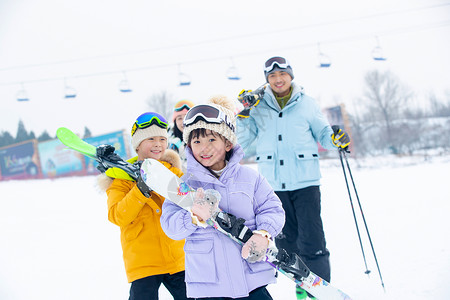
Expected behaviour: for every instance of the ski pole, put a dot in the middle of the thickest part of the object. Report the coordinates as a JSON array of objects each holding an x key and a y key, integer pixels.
[
  {"x": 362, "y": 213},
  {"x": 353, "y": 209}
]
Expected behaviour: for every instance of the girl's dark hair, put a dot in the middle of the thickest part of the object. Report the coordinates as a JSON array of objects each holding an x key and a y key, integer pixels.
[
  {"x": 202, "y": 132},
  {"x": 177, "y": 132}
]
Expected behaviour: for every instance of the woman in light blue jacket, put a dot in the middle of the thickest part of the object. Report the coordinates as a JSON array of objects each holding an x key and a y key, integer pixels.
[
  {"x": 215, "y": 264},
  {"x": 286, "y": 126}
]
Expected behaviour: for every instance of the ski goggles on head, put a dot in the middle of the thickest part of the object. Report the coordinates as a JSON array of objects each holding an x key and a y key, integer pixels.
[
  {"x": 148, "y": 119},
  {"x": 207, "y": 113},
  {"x": 182, "y": 105},
  {"x": 280, "y": 61}
]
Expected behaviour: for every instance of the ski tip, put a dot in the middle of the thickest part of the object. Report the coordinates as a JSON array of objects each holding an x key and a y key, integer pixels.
[{"x": 61, "y": 130}]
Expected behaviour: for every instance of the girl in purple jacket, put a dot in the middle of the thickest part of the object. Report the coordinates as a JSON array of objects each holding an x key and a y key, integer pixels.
[{"x": 216, "y": 266}]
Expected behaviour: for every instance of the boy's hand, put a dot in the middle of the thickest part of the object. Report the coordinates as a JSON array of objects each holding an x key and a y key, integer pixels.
[{"x": 145, "y": 190}]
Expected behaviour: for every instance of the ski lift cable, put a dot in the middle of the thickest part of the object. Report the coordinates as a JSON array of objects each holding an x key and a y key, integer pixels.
[
  {"x": 242, "y": 36},
  {"x": 244, "y": 54}
]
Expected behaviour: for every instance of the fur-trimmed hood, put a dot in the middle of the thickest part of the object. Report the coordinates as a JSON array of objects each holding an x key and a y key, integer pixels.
[{"x": 170, "y": 156}]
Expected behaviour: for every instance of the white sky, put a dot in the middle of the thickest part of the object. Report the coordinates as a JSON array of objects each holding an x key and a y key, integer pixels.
[{"x": 43, "y": 42}]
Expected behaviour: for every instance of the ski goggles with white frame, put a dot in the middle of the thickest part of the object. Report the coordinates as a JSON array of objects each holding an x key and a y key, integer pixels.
[
  {"x": 279, "y": 61},
  {"x": 207, "y": 113},
  {"x": 148, "y": 119}
]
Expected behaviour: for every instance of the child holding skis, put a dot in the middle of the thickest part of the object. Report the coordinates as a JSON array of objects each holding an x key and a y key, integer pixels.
[
  {"x": 216, "y": 266},
  {"x": 150, "y": 257}
]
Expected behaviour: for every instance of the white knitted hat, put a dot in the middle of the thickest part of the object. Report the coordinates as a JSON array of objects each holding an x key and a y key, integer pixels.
[
  {"x": 225, "y": 105},
  {"x": 148, "y": 132}
]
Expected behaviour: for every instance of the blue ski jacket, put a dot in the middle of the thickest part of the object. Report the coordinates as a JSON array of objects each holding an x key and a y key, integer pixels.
[
  {"x": 214, "y": 266},
  {"x": 286, "y": 139}
]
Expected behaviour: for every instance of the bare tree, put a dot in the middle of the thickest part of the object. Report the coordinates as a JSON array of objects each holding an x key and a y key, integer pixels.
[
  {"x": 439, "y": 108},
  {"x": 385, "y": 100},
  {"x": 162, "y": 103}
]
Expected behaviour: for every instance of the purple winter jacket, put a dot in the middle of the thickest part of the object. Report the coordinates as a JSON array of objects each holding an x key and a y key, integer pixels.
[{"x": 214, "y": 266}]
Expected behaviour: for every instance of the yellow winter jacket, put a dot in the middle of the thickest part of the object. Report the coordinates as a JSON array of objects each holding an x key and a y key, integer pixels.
[{"x": 146, "y": 248}]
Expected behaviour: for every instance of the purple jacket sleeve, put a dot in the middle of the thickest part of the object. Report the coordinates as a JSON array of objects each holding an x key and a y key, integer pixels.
[
  {"x": 176, "y": 222},
  {"x": 270, "y": 215}
]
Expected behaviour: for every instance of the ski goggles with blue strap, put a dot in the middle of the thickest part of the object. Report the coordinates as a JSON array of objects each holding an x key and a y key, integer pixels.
[
  {"x": 280, "y": 61},
  {"x": 207, "y": 113},
  {"x": 182, "y": 105},
  {"x": 148, "y": 119}
]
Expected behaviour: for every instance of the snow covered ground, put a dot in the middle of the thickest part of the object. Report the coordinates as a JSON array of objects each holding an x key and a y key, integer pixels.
[{"x": 56, "y": 241}]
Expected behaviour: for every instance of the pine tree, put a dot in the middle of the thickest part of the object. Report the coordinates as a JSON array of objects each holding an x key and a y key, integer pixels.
[
  {"x": 87, "y": 133},
  {"x": 6, "y": 139},
  {"x": 22, "y": 134},
  {"x": 44, "y": 137}
]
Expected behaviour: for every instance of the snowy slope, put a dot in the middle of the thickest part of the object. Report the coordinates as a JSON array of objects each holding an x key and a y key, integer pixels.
[{"x": 58, "y": 244}]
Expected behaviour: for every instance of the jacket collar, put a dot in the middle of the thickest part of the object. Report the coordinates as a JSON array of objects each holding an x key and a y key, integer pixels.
[{"x": 271, "y": 101}]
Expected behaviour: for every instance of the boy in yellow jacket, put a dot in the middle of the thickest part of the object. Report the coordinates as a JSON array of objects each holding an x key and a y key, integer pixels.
[{"x": 150, "y": 257}]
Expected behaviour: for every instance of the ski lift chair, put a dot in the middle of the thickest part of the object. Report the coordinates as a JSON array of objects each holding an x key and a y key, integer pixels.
[
  {"x": 232, "y": 73},
  {"x": 124, "y": 85},
  {"x": 377, "y": 52},
  {"x": 22, "y": 95},
  {"x": 184, "y": 79},
  {"x": 70, "y": 92},
  {"x": 324, "y": 60}
]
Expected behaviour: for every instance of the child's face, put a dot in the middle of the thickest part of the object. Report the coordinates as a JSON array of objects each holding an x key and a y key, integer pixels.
[
  {"x": 210, "y": 150},
  {"x": 153, "y": 147},
  {"x": 179, "y": 121}
]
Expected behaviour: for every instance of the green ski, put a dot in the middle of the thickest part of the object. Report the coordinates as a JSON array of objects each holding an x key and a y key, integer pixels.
[
  {"x": 71, "y": 140},
  {"x": 103, "y": 154}
]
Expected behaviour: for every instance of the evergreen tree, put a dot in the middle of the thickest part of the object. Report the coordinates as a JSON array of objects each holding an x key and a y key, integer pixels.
[
  {"x": 22, "y": 134},
  {"x": 44, "y": 137},
  {"x": 6, "y": 139},
  {"x": 87, "y": 133}
]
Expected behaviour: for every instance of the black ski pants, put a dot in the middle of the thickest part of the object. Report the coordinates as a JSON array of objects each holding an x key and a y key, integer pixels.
[
  {"x": 147, "y": 288},
  {"x": 303, "y": 231}
]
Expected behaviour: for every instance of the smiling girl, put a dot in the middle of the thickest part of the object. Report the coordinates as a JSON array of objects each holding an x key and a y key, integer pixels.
[{"x": 216, "y": 266}]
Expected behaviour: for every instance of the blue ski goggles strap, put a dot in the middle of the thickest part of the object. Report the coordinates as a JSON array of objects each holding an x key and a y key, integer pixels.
[
  {"x": 184, "y": 106},
  {"x": 207, "y": 113},
  {"x": 280, "y": 61},
  {"x": 147, "y": 119}
]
